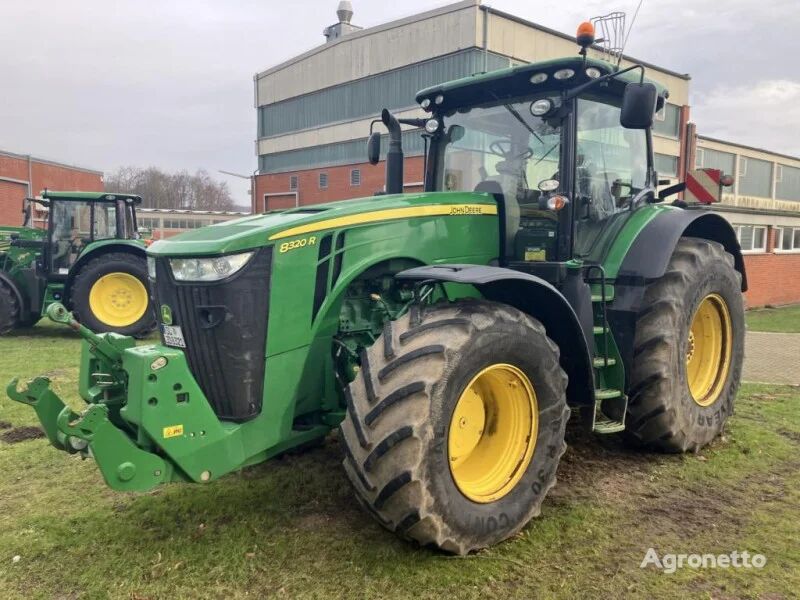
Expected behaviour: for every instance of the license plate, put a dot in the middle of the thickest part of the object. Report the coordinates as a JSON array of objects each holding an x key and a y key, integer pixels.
[{"x": 173, "y": 336}]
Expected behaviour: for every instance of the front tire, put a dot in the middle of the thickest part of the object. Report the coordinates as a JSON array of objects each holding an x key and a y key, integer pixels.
[
  {"x": 688, "y": 350},
  {"x": 9, "y": 310},
  {"x": 110, "y": 293},
  {"x": 455, "y": 424}
]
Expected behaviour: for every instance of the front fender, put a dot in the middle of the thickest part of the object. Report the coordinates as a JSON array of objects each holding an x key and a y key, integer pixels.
[{"x": 539, "y": 299}]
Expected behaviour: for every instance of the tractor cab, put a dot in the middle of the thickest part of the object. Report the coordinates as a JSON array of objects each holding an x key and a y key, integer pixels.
[
  {"x": 91, "y": 257},
  {"x": 78, "y": 219},
  {"x": 547, "y": 141}
]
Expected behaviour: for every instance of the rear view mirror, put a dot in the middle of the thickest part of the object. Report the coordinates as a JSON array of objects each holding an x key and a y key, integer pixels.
[
  {"x": 638, "y": 105},
  {"x": 374, "y": 148}
]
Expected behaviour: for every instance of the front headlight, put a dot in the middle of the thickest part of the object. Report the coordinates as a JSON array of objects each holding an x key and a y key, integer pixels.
[
  {"x": 151, "y": 268},
  {"x": 208, "y": 269}
]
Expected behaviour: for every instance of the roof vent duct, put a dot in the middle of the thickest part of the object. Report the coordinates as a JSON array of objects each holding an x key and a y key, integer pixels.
[{"x": 343, "y": 27}]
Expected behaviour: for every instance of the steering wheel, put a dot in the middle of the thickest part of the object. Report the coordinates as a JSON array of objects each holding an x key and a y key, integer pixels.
[{"x": 503, "y": 149}]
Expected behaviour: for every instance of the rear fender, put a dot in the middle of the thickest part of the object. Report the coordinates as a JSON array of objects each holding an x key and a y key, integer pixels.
[{"x": 539, "y": 299}]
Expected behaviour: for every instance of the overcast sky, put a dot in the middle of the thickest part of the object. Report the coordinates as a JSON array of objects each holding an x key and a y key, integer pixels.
[{"x": 169, "y": 83}]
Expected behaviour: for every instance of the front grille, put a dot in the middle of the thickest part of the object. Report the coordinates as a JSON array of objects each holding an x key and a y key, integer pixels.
[{"x": 224, "y": 325}]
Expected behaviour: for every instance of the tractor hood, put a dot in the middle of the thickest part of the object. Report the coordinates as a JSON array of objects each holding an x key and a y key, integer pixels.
[{"x": 259, "y": 230}]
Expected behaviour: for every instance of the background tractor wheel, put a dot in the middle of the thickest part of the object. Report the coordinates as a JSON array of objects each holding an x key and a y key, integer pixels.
[
  {"x": 9, "y": 310},
  {"x": 688, "y": 350},
  {"x": 110, "y": 294},
  {"x": 455, "y": 424}
]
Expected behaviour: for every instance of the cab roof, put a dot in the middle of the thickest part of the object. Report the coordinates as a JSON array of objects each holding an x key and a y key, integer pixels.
[
  {"x": 516, "y": 81},
  {"x": 91, "y": 196}
]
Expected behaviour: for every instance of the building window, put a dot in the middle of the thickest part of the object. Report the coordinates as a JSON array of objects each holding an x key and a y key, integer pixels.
[
  {"x": 755, "y": 177},
  {"x": 788, "y": 239},
  {"x": 292, "y": 183},
  {"x": 666, "y": 164},
  {"x": 355, "y": 177},
  {"x": 752, "y": 238},
  {"x": 714, "y": 159},
  {"x": 787, "y": 183},
  {"x": 323, "y": 181},
  {"x": 668, "y": 121}
]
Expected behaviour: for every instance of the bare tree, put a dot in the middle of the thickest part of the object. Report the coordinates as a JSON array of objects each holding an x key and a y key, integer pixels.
[{"x": 159, "y": 189}]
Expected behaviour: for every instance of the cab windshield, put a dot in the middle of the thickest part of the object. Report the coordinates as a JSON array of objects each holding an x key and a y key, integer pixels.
[{"x": 502, "y": 148}]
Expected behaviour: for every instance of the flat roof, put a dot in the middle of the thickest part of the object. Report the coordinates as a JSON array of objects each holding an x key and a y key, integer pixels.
[
  {"x": 48, "y": 161},
  {"x": 746, "y": 147}
]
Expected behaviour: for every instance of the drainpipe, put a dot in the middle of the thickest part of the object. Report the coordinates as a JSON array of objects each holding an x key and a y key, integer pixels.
[{"x": 30, "y": 177}]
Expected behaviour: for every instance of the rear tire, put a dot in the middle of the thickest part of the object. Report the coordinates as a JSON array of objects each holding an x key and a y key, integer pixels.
[
  {"x": 688, "y": 350},
  {"x": 123, "y": 312},
  {"x": 400, "y": 435},
  {"x": 9, "y": 309}
]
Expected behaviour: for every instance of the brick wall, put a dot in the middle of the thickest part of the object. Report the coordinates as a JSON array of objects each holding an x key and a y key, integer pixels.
[
  {"x": 308, "y": 191},
  {"x": 43, "y": 175},
  {"x": 773, "y": 278}
]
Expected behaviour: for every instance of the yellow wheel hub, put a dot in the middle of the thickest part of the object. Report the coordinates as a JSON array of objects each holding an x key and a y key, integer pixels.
[
  {"x": 493, "y": 433},
  {"x": 708, "y": 353},
  {"x": 118, "y": 299}
]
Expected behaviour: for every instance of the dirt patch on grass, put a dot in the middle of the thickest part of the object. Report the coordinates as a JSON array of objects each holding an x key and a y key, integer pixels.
[
  {"x": 603, "y": 468},
  {"x": 5, "y": 425},
  {"x": 21, "y": 434}
]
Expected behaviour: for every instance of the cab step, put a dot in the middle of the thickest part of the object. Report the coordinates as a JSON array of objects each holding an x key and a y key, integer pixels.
[
  {"x": 606, "y": 393},
  {"x": 597, "y": 293},
  {"x": 599, "y": 362},
  {"x": 608, "y": 426}
]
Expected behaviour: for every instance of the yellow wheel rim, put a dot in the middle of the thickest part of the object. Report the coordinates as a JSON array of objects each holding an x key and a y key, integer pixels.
[
  {"x": 493, "y": 433},
  {"x": 708, "y": 353},
  {"x": 118, "y": 299}
]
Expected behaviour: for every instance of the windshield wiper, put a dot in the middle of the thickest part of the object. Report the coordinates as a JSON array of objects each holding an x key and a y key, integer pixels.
[
  {"x": 546, "y": 154},
  {"x": 519, "y": 118}
]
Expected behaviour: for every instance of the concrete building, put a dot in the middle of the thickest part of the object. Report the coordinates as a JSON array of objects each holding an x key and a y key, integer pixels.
[
  {"x": 22, "y": 175},
  {"x": 314, "y": 114}
]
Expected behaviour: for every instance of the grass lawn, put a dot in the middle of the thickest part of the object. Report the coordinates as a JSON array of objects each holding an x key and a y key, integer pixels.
[
  {"x": 782, "y": 320},
  {"x": 291, "y": 527}
]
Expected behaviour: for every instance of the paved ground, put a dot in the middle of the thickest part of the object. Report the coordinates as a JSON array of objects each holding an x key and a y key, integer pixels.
[{"x": 772, "y": 357}]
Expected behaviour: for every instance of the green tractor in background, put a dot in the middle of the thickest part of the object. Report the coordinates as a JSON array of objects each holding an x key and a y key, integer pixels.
[
  {"x": 448, "y": 334},
  {"x": 90, "y": 258}
]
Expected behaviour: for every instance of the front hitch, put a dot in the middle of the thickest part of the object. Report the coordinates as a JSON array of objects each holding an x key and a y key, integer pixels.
[{"x": 124, "y": 465}]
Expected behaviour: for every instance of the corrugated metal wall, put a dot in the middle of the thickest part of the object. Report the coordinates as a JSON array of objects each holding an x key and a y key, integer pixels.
[
  {"x": 365, "y": 97},
  {"x": 342, "y": 153}
]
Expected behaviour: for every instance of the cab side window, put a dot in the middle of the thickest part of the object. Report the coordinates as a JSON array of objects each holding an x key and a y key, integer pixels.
[{"x": 611, "y": 161}]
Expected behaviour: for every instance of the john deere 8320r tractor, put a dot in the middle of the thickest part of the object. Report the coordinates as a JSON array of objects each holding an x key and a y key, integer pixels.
[
  {"x": 448, "y": 334},
  {"x": 90, "y": 258}
]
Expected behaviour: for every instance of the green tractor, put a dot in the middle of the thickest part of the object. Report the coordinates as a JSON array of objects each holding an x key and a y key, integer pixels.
[
  {"x": 90, "y": 258},
  {"x": 448, "y": 335}
]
